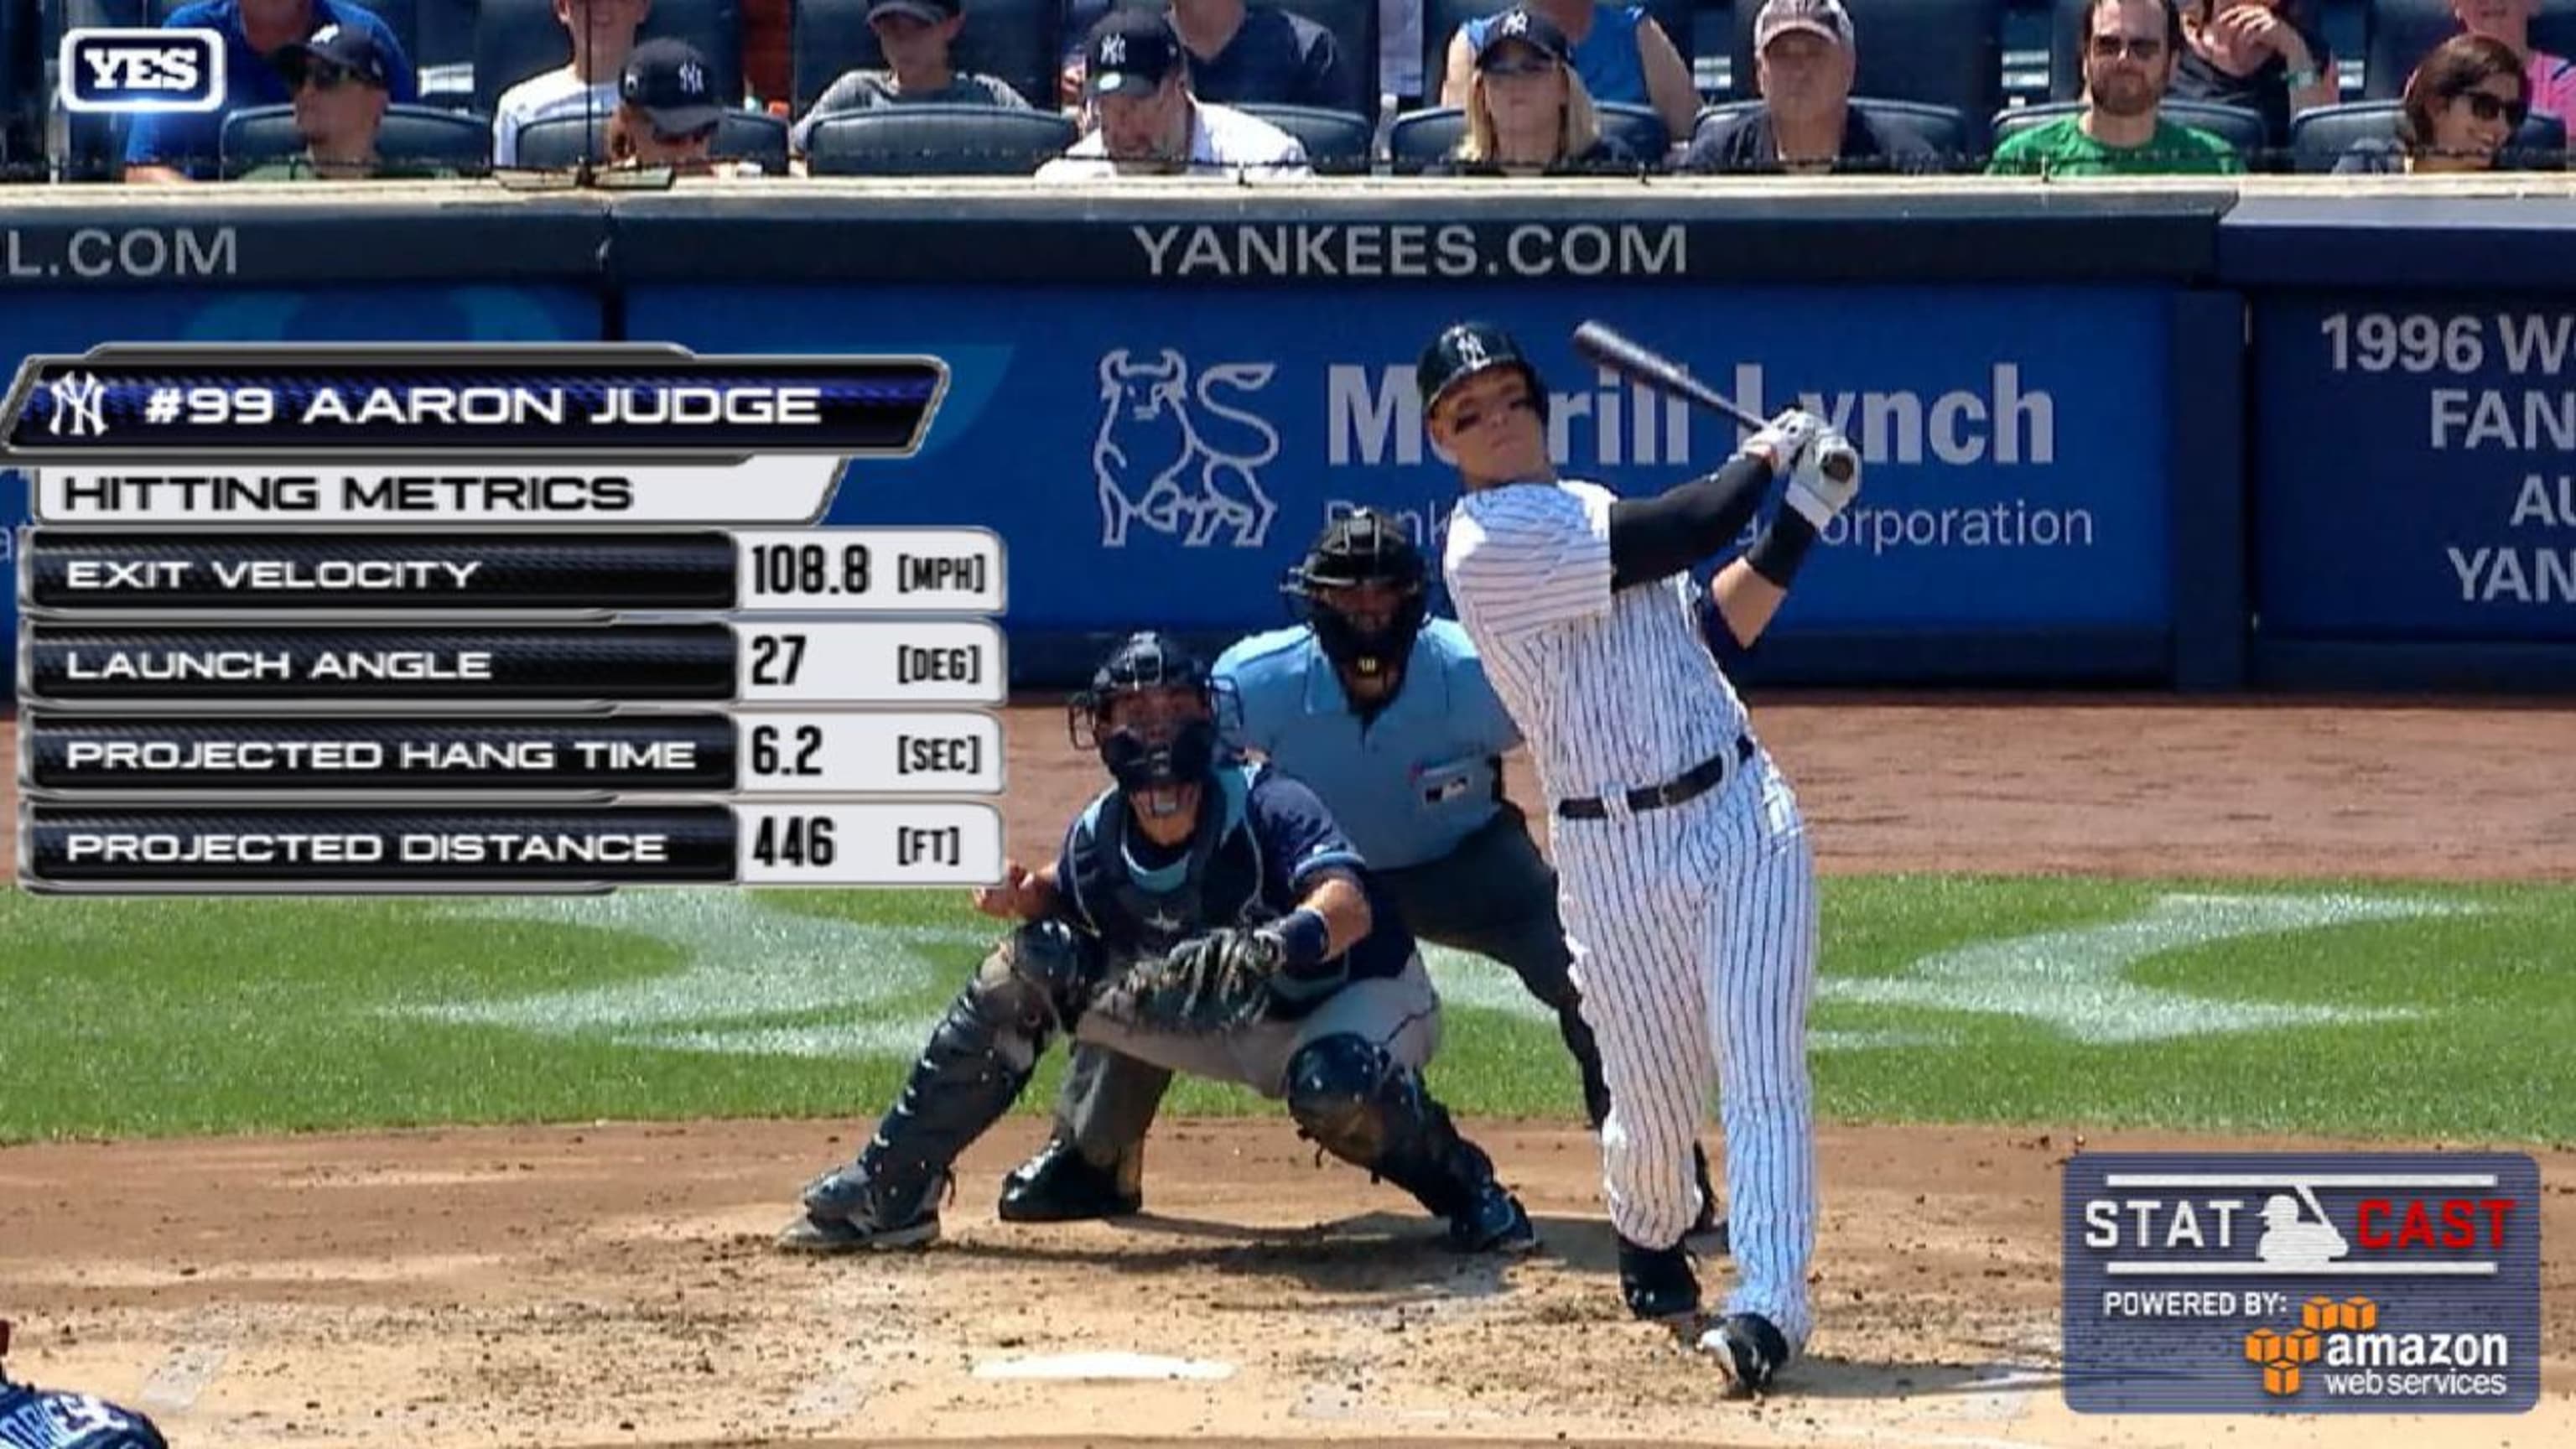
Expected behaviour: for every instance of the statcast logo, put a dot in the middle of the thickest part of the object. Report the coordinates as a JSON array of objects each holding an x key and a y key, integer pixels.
[
  {"x": 112, "y": 69},
  {"x": 1173, "y": 456}
]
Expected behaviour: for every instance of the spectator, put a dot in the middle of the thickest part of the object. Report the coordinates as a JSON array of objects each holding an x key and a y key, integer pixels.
[
  {"x": 917, "y": 36},
  {"x": 603, "y": 36},
  {"x": 2265, "y": 55},
  {"x": 188, "y": 146},
  {"x": 1804, "y": 56},
  {"x": 1619, "y": 51},
  {"x": 668, "y": 113},
  {"x": 2129, "y": 58},
  {"x": 2553, "y": 77},
  {"x": 1527, "y": 111},
  {"x": 2462, "y": 105},
  {"x": 1146, "y": 122},
  {"x": 1268, "y": 57},
  {"x": 339, "y": 75}
]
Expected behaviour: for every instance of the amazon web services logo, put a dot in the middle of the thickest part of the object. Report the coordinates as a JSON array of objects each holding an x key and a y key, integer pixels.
[{"x": 2207, "y": 1283}]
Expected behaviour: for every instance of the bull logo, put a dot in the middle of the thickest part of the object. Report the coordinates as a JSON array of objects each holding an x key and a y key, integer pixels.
[{"x": 1154, "y": 466}]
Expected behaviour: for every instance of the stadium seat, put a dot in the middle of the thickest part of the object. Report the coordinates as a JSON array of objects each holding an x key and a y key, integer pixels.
[
  {"x": 1944, "y": 52},
  {"x": 565, "y": 140},
  {"x": 515, "y": 39},
  {"x": 2403, "y": 32},
  {"x": 937, "y": 141},
  {"x": 1020, "y": 41},
  {"x": 1441, "y": 19},
  {"x": 422, "y": 135},
  {"x": 2236, "y": 125},
  {"x": 1942, "y": 127},
  {"x": 1337, "y": 142},
  {"x": 2319, "y": 137},
  {"x": 1419, "y": 138}
]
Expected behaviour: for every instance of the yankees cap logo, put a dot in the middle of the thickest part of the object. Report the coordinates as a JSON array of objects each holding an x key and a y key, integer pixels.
[
  {"x": 1471, "y": 350},
  {"x": 693, "y": 79},
  {"x": 1113, "y": 50},
  {"x": 1516, "y": 23}
]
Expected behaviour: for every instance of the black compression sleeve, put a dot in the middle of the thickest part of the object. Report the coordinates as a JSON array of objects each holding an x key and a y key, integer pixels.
[{"x": 1653, "y": 537}]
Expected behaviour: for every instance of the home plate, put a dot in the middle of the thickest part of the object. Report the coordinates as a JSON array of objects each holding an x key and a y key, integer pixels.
[{"x": 1103, "y": 1366}]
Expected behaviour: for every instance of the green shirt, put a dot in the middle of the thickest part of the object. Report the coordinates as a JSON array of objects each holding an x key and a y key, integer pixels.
[
  {"x": 300, "y": 168},
  {"x": 2061, "y": 148}
]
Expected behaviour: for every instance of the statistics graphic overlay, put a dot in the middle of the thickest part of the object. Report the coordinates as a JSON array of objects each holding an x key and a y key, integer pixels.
[
  {"x": 400, "y": 620},
  {"x": 2374, "y": 1283}
]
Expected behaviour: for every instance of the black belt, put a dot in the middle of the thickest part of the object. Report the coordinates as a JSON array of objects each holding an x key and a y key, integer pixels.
[{"x": 1690, "y": 783}]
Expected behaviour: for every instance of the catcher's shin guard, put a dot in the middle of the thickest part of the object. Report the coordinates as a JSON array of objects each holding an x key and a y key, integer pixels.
[{"x": 1359, "y": 1105}]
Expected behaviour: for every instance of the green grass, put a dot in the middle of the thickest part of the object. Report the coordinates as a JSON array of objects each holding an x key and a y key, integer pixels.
[{"x": 128, "y": 1018}]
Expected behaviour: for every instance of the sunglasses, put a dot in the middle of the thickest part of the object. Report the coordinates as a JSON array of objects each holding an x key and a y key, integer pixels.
[
  {"x": 2137, "y": 47},
  {"x": 324, "y": 76},
  {"x": 2487, "y": 108}
]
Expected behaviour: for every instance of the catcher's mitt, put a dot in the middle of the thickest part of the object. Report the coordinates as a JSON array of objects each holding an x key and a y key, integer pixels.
[{"x": 1206, "y": 985}]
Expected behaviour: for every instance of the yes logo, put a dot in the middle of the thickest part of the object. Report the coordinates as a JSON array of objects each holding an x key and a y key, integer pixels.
[{"x": 122, "y": 69}]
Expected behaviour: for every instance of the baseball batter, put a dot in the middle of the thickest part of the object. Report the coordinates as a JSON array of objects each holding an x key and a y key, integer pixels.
[
  {"x": 1205, "y": 915},
  {"x": 1385, "y": 713},
  {"x": 1689, "y": 891}
]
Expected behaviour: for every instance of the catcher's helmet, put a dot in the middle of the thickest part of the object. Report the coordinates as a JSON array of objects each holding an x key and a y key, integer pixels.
[
  {"x": 1465, "y": 349},
  {"x": 1362, "y": 547},
  {"x": 1146, "y": 663}
]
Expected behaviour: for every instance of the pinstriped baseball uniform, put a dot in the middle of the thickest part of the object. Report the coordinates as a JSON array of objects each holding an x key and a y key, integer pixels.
[{"x": 1693, "y": 926}]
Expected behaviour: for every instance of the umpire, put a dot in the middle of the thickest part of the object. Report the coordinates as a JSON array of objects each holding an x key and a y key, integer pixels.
[{"x": 1386, "y": 714}]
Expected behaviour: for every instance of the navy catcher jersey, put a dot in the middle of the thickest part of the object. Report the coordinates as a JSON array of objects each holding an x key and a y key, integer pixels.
[
  {"x": 1262, "y": 840},
  {"x": 55, "y": 1419}
]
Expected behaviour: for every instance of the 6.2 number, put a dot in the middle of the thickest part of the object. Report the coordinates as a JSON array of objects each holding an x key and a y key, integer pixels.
[{"x": 767, "y": 758}]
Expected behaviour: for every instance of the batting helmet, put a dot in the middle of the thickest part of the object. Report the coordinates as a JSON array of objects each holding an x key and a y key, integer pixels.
[
  {"x": 1147, "y": 663},
  {"x": 1465, "y": 349},
  {"x": 1359, "y": 548}
]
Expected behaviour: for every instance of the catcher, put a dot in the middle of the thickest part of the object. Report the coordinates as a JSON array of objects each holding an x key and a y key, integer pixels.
[
  {"x": 1206, "y": 915},
  {"x": 32, "y": 1418}
]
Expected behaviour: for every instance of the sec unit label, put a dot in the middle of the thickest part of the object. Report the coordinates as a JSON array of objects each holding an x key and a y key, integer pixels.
[
  {"x": 835, "y": 844},
  {"x": 825, "y": 752},
  {"x": 889, "y": 570},
  {"x": 889, "y": 662}
]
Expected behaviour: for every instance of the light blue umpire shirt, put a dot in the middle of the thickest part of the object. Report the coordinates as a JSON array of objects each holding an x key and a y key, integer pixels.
[{"x": 1418, "y": 777}]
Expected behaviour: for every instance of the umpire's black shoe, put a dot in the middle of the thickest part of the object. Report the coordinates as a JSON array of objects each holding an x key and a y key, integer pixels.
[
  {"x": 1060, "y": 1185},
  {"x": 1748, "y": 1350},
  {"x": 1657, "y": 1282}
]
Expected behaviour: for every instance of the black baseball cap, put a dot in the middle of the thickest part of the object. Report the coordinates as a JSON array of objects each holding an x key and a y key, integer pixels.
[
  {"x": 352, "y": 48},
  {"x": 1129, "y": 52},
  {"x": 672, "y": 84},
  {"x": 1529, "y": 28},
  {"x": 928, "y": 12}
]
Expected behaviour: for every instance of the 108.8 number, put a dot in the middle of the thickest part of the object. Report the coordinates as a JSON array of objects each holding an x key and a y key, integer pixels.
[{"x": 809, "y": 569}]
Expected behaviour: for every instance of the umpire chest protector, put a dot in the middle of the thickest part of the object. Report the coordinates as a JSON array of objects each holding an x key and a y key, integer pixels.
[{"x": 1215, "y": 882}]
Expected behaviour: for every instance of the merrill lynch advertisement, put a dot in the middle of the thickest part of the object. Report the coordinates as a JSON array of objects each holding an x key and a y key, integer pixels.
[
  {"x": 1160, "y": 456},
  {"x": 2319, "y": 1283},
  {"x": 2415, "y": 475}
]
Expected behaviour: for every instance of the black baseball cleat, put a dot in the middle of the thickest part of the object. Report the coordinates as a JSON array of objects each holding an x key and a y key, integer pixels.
[
  {"x": 1495, "y": 1222},
  {"x": 1748, "y": 1350},
  {"x": 1060, "y": 1185},
  {"x": 1657, "y": 1282}
]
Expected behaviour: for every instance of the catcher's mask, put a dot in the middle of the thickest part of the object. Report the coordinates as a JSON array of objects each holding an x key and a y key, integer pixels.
[
  {"x": 1151, "y": 713},
  {"x": 1364, "y": 589}
]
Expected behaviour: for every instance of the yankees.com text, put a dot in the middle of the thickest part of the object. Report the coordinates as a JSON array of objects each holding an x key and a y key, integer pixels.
[
  {"x": 1407, "y": 249},
  {"x": 119, "y": 252}
]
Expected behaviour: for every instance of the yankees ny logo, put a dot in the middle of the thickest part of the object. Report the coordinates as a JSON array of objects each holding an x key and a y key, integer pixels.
[
  {"x": 1516, "y": 23},
  {"x": 79, "y": 400},
  {"x": 693, "y": 79},
  {"x": 1471, "y": 348},
  {"x": 1113, "y": 50}
]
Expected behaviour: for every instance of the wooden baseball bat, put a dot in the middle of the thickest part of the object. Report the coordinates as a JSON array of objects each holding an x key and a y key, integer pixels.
[{"x": 1631, "y": 359}]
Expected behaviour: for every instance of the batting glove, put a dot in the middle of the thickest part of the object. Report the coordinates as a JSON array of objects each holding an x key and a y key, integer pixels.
[
  {"x": 1814, "y": 489},
  {"x": 1786, "y": 437}
]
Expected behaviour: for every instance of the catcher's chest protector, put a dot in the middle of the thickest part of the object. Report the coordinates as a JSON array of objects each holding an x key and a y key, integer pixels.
[{"x": 1217, "y": 883}]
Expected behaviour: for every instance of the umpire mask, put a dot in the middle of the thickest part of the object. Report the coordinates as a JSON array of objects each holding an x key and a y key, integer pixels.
[{"x": 1364, "y": 590}]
